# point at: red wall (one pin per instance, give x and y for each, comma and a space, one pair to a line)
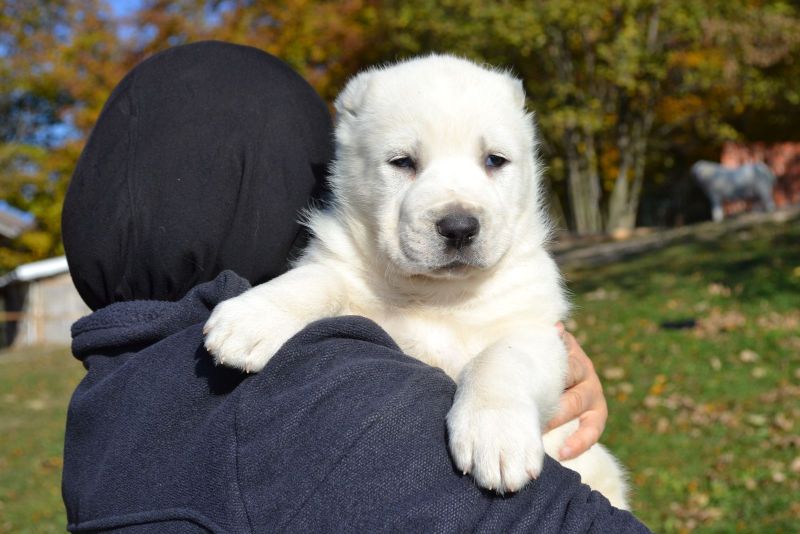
782, 158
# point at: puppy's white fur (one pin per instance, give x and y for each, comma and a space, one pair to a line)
484, 312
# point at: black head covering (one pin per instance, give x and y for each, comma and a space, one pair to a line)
198, 163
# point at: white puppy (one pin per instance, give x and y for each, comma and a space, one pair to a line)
437, 233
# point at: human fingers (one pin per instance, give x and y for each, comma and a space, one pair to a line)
560, 328
582, 400
579, 390
579, 366
591, 425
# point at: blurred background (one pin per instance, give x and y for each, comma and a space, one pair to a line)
693, 325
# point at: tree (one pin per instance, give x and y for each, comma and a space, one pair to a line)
325, 41
58, 62
612, 80
60, 59
620, 88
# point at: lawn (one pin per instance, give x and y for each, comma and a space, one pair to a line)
35, 386
706, 416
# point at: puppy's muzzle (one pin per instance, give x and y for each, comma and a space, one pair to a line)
458, 229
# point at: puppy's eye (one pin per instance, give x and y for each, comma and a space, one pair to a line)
403, 162
493, 161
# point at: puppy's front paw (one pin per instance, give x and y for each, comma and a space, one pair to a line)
500, 446
245, 333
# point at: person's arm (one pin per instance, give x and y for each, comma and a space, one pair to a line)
583, 399
342, 432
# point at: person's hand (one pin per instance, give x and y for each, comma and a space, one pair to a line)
583, 400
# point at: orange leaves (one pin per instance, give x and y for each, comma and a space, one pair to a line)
658, 385
61, 60
680, 107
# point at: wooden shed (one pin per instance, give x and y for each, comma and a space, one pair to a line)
38, 304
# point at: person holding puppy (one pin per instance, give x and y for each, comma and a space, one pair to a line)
186, 194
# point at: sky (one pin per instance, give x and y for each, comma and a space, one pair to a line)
123, 8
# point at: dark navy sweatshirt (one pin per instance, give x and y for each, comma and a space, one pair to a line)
340, 432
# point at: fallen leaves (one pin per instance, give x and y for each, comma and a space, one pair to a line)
685, 413
758, 372
795, 465
748, 356
695, 511
705, 415
718, 290
750, 460
602, 294
657, 388
772, 320
756, 419
783, 422
718, 321
621, 392
613, 373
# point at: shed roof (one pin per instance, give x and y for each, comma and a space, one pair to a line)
14, 221
35, 270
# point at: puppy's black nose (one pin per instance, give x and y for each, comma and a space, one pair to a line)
458, 229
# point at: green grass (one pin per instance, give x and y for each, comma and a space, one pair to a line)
35, 386
706, 419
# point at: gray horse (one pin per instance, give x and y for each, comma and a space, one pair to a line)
751, 180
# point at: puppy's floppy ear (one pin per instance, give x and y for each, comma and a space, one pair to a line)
352, 96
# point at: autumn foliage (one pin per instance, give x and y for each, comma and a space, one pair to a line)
626, 92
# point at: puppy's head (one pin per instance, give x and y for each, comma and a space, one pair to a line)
437, 156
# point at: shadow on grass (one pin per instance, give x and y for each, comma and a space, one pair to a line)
759, 263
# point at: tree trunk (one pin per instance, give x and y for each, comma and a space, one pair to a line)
618, 202
582, 187
640, 149
593, 184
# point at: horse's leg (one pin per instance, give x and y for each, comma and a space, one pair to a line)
765, 194
765, 183
717, 213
